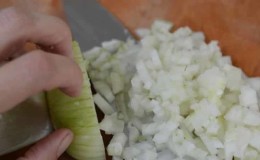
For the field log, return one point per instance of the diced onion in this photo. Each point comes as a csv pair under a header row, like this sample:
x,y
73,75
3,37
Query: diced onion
x,y
175,98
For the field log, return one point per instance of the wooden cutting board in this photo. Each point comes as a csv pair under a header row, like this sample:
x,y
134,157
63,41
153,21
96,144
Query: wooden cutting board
x,y
234,23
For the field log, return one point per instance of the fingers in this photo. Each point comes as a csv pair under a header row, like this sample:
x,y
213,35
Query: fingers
x,y
19,27
51,147
35,72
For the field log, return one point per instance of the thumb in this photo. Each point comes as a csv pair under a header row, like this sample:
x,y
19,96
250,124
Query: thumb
x,y
51,147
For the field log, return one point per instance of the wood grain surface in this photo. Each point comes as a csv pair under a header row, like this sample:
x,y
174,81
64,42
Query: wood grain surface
x,y
234,23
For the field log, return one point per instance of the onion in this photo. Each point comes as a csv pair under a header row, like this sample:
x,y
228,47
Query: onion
x,y
175,97
79,115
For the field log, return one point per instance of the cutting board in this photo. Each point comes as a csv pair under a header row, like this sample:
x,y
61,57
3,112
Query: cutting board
x,y
234,23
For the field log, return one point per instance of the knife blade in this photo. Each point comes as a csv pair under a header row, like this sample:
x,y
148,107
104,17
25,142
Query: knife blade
x,y
25,124
91,24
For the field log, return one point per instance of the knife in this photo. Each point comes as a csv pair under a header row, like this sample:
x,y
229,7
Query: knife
x,y
29,122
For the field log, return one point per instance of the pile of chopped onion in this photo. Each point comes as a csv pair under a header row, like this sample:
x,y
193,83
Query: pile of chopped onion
x,y
172,96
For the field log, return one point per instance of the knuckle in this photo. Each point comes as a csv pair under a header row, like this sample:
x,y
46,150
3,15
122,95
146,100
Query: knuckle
x,y
66,31
39,65
63,28
41,59
59,30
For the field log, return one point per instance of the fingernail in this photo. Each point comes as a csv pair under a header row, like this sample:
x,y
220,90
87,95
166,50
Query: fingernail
x,y
64,143
72,91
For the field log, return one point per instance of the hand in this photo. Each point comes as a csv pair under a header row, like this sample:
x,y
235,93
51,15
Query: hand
x,y
51,147
37,70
